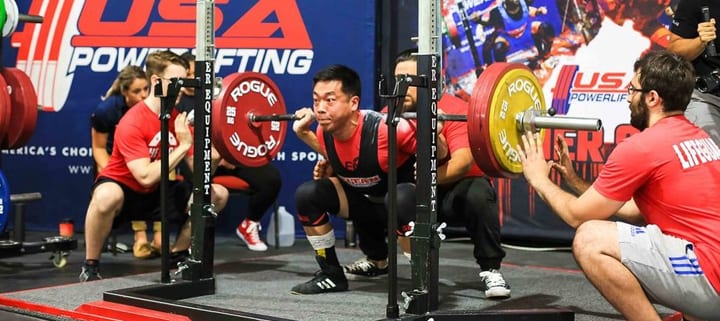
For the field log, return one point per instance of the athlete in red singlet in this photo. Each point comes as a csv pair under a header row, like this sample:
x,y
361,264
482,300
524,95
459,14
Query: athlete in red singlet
x,y
354,142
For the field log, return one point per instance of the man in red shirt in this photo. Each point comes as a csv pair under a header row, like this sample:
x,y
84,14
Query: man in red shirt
x,y
668,176
128,185
466,196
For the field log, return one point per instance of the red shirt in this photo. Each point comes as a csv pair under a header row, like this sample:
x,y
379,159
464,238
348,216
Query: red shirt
x,y
456,132
672,170
137,136
349,150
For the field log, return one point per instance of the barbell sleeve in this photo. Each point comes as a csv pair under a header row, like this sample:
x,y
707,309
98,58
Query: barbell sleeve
x,y
562,122
30,18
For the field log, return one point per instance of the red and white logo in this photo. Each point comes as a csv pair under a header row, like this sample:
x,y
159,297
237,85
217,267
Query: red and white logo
x,y
79,34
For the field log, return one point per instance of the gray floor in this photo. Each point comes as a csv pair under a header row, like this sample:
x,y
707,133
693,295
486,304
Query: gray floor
x,y
260,282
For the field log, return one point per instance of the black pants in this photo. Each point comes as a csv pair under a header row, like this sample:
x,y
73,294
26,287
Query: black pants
x,y
265,183
146,206
470,202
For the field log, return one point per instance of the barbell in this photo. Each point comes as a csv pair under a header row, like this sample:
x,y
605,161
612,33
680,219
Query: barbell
x,y
10,16
250,120
530,121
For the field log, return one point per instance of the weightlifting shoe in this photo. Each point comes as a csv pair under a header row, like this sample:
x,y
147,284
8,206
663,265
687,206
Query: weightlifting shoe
x,y
89,273
363,268
323,282
494,284
247,231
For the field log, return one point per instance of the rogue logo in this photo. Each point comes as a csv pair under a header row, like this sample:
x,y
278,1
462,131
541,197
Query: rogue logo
x,y
266,36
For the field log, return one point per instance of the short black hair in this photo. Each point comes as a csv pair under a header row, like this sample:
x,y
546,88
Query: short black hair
x,y
409,54
670,75
188,56
348,77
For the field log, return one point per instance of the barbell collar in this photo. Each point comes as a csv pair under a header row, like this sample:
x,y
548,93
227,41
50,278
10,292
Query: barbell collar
x,y
30,18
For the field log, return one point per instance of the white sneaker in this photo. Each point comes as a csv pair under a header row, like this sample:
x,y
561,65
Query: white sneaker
x,y
363,268
247,231
494,284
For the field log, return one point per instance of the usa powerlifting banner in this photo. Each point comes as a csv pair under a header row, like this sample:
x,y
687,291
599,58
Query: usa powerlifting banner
x,y
581,51
76,53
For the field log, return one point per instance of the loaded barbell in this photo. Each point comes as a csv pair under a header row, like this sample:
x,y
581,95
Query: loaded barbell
x,y
250,122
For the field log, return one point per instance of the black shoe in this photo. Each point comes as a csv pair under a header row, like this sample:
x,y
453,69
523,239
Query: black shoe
x,y
90,273
322,283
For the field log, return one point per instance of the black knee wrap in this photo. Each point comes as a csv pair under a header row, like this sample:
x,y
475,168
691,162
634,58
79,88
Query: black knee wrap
x,y
314,199
405,206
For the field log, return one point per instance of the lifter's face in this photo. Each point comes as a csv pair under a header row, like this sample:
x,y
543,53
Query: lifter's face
x,y
334,110
408,67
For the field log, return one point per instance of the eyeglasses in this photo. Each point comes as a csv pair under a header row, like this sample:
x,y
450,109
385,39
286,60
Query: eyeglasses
x,y
632,90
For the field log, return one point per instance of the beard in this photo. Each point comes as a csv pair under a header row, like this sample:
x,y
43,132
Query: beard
x,y
639,115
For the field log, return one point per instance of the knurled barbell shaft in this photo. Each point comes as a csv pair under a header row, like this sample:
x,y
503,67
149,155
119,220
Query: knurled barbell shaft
x,y
30,18
443,117
274,117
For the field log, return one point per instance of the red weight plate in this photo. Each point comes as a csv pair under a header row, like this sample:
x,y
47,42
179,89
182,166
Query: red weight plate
x,y
5,112
478,122
24,103
238,140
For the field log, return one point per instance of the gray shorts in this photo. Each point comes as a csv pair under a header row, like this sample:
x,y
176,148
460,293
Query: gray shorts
x,y
704,111
668,270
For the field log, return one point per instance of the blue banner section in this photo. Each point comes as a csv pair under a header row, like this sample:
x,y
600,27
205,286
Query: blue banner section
x,y
75,54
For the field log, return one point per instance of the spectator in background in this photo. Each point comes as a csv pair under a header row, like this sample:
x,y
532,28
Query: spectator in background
x,y
264,181
129,88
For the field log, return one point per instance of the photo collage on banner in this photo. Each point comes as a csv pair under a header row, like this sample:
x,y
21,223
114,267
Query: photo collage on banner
x,y
582,53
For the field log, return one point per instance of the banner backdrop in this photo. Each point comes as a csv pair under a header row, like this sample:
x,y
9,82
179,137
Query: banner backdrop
x,y
75,54
582,51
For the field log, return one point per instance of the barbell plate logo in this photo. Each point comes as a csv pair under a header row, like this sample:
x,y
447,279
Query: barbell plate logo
x,y
502,92
236,138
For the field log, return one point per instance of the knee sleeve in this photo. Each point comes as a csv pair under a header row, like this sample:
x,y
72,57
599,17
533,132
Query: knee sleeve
x,y
314,200
405,206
